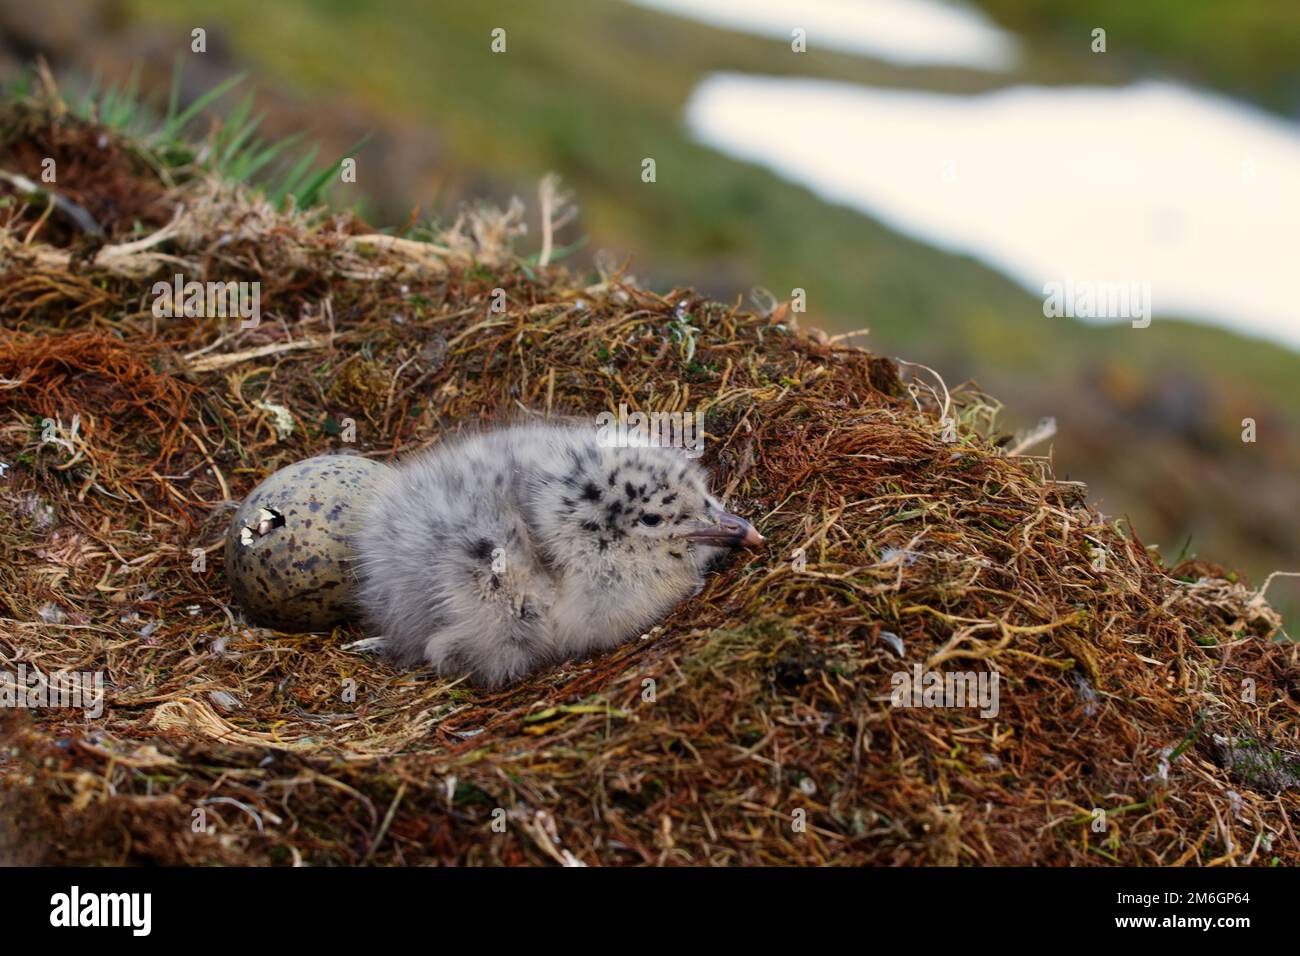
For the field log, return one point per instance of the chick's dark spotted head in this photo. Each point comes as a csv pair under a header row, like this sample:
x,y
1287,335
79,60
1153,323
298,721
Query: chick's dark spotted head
x,y
645,499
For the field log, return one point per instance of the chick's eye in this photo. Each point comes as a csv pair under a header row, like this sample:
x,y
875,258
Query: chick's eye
x,y
651,520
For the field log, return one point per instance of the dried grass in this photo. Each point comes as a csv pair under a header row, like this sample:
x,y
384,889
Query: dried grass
x,y
1120,678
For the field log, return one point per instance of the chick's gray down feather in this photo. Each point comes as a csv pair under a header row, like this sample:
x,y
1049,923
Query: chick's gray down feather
x,y
500,552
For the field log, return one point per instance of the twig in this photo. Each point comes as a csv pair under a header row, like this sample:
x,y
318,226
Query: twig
x,y
388,819
234,358
70,210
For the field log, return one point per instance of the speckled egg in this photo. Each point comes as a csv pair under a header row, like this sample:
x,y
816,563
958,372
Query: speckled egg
x,y
288,551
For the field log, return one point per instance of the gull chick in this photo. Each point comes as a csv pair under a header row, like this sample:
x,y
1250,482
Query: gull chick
x,y
498,553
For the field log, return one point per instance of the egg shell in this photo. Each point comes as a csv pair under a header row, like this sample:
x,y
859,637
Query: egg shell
x,y
297,576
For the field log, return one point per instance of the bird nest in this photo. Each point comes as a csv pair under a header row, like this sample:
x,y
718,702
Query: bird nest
x,y
1141,713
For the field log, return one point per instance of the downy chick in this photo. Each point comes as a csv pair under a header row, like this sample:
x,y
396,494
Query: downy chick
x,y
498,553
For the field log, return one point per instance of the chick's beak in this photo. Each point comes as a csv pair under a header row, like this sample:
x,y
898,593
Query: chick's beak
x,y
731,531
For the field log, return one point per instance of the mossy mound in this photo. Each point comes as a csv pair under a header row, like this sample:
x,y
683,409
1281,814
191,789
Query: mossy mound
x,y
757,725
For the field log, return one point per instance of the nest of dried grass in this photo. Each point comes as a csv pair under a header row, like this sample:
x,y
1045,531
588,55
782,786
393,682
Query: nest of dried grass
x,y
754,727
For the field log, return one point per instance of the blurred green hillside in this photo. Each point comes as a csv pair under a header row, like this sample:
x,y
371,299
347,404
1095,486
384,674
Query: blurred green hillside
x,y
1150,418
1250,48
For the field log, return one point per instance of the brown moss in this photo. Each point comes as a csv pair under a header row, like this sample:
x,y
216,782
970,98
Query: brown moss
x,y
93,168
754,727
